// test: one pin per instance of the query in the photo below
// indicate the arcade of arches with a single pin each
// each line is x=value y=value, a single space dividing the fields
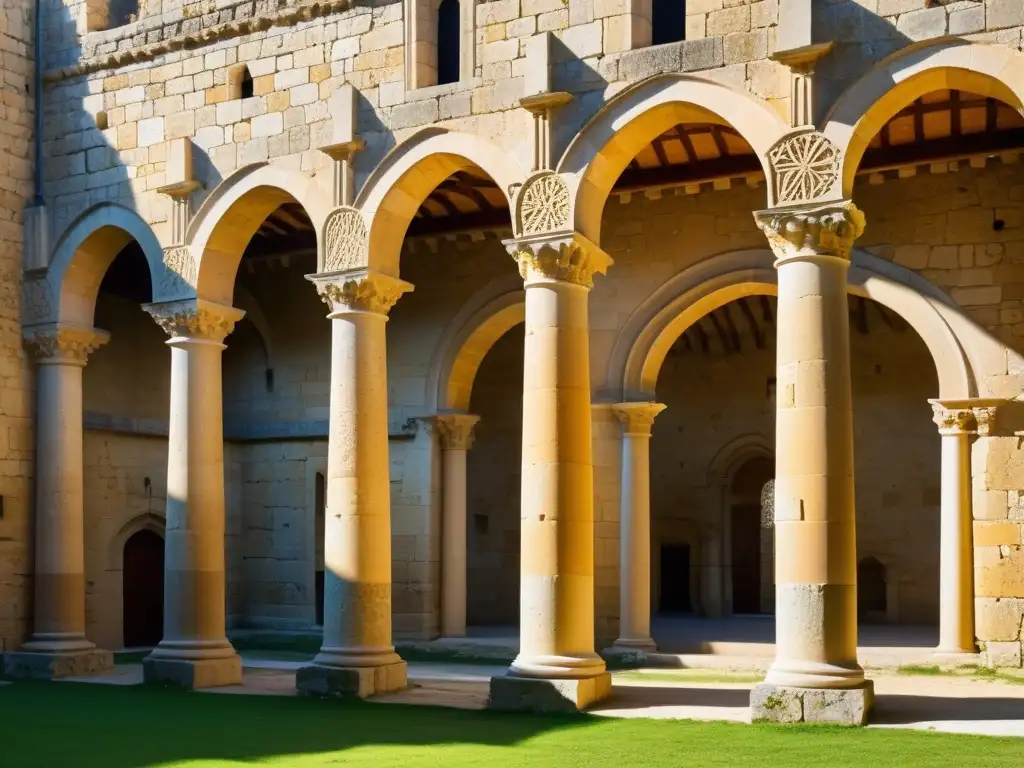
x=684 y=419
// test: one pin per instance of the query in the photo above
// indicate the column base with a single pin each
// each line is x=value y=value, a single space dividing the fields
x=512 y=693
x=193 y=674
x=351 y=682
x=633 y=645
x=787 y=704
x=43 y=665
x=956 y=656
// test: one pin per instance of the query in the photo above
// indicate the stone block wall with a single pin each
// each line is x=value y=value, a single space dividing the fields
x=16 y=438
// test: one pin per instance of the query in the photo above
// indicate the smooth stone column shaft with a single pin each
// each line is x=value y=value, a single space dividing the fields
x=58 y=646
x=357 y=547
x=956 y=577
x=557 y=566
x=456 y=439
x=195 y=651
x=635 y=526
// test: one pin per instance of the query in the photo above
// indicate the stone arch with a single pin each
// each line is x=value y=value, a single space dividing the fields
x=599 y=154
x=147 y=521
x=862 y=109
x=735 y=454
x=228 y=218
x=410 y=172
x=68 y=291
x=650 y=332
x=461 y=350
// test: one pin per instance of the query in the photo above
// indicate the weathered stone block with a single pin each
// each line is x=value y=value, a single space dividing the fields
x=528 y=694
x=923 y=24
x=1004 y=13
x=193 y=675
x=636 y=65
x=53 y=666
x=1003 y=654
x=784 y=704
x=998 y=620
x=346 y=682
x=701 y=54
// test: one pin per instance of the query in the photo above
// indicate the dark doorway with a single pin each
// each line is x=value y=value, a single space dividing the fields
x=143 y=577
x=746 y=558
x=675 y=579
x=318 y=533
x=871 y=597
x=449 y=32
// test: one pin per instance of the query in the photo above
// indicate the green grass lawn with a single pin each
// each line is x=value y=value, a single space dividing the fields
x=66 y=725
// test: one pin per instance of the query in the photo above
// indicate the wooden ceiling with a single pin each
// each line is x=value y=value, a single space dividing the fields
x=749 y=323
x=943 y=126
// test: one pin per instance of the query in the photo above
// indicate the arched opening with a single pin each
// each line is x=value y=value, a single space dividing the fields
x=871 y=591
x=718 y=383
x=493 y=486
x=143 y=585
x=751 y=545
x=668 y=21
x=449 y=33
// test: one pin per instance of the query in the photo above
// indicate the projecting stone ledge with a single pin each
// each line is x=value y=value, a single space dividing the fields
x=530 y=694
x=783 y=704
x=345 y=682
x=52 y=666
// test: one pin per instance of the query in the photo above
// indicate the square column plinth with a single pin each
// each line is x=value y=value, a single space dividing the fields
x=193 y=674
x=350 y=682
x=53 y=666
x=836 y=706
x=513 y=693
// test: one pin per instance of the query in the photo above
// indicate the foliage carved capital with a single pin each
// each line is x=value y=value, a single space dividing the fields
x=360 y=290
x=828 y=229
x=456 y=430
x=194 y=319
x=62 y=343
x=567 y=257
x=637 y=418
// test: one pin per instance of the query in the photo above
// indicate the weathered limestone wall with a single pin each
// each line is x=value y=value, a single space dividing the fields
x=16 y=451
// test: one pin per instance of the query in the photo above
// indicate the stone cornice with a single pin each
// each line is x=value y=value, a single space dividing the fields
x=198 y=38
x=194 y=319
x=62 y=343
x=637 y=418
x=456 y=430
x=558 y=257
x=826 y=229
x=359 y=290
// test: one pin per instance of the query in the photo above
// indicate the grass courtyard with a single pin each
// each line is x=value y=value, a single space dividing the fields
x=69 y=725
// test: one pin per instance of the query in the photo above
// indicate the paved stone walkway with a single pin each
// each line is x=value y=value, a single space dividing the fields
x=941 y=703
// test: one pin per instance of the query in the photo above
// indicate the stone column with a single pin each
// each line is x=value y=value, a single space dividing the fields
x=195 y=651
x=456 y=431
x=58 y=646
x=635 y=526
x=557 y=667
x=357 y=657
x=815 y=675
x=956 y=570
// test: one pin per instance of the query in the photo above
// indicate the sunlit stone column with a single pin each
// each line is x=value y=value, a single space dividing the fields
x=195 y=651
x=357 y=657
x=557 y=667
x=956 y=576
x=58 y=647
x=456 y=432
x=635 y=526
x=815 y=675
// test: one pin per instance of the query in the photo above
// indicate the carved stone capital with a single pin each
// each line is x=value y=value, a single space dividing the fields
x=195 y=319
x=359 y=290
x=456 y=430
x=828 y=229
x=952 y=421
x=566 y=257
x=62 y=343
x=637 y=418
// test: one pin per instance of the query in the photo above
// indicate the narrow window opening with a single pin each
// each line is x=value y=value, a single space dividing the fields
x=448 y=34
x=240 y=83
x=246 y=88
x=668 y=21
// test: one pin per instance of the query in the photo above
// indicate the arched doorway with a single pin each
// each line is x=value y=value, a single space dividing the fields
x=143 y=576
x=752 y=545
